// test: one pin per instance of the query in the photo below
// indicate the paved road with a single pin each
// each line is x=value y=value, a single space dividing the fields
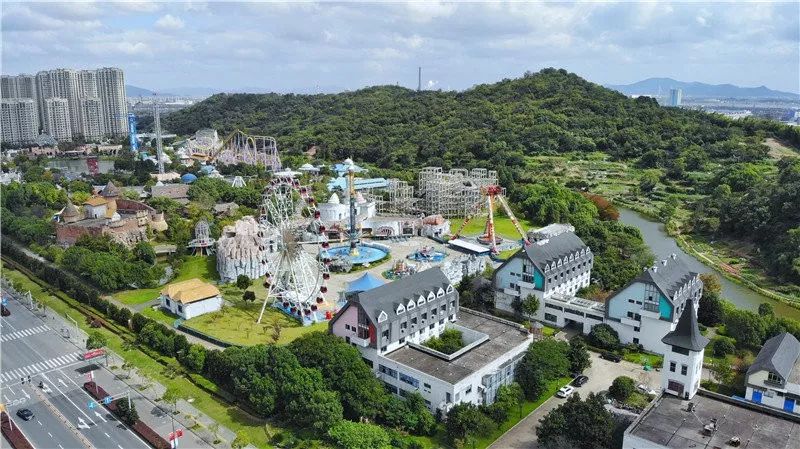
x=30 y=347
x=601 y=374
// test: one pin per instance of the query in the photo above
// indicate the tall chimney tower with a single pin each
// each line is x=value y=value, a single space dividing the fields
x=419 y=79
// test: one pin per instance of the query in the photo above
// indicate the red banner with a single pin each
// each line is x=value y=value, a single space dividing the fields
x=93 y=353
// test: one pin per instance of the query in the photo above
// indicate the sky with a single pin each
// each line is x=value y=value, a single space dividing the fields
x=309 y=47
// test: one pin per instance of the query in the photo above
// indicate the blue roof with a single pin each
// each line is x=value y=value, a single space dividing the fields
x=342 y=168
x=360 y=183
x=207 y=169
x=188 y=178
x=366 y=282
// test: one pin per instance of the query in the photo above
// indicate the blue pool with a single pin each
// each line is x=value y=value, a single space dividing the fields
x=427 y=256
x=366 y=253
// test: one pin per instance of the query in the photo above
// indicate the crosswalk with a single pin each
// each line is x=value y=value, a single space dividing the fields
x=23 y=333
x=36 y=368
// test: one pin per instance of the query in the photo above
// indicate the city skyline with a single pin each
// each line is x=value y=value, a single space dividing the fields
x=305 y=47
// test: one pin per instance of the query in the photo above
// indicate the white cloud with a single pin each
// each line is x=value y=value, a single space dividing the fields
x=169 y=22
x=136 y=6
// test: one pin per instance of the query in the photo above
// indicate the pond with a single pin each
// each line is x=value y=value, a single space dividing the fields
x=663 y=245
x=80 y=165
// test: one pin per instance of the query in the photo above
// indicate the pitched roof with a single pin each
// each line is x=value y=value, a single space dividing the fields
x=687 y=333
x=96 y=201
x=367 y=281
x=388 y=296
x=173 y=191
x=190 y=291
x=70 y=210
x=779 y=354
x=668 y=274
x=110 y=190
x=554 y=248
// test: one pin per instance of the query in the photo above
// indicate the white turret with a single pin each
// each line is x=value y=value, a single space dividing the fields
x=683 y=356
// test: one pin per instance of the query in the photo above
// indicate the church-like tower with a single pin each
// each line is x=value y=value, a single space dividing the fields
x=683 y=358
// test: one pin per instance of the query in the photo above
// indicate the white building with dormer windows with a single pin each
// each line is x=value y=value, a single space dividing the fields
x=389 y=324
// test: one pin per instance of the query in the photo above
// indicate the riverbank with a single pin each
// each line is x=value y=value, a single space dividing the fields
x=695 y=247
x=662 y=243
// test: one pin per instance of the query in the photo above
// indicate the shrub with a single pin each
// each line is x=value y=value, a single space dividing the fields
x=353 y=435
x=622 y=388
x=448 y=342
x=722 y=346
x=603 y=336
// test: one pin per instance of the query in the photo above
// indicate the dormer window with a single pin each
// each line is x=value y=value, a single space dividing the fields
x=420 y=300
x=431 y=296
x=400 y=309
x=449 y=289
x=440 y=293
x=382 y=317
x=410 y=305
x=774 y=378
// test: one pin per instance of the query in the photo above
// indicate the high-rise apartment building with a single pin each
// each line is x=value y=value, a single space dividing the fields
x=20 y=86
x=92 y=123
x=95 y=101
x=57 y=121
x=111 y=90
x=675 y=97
x=19 y=120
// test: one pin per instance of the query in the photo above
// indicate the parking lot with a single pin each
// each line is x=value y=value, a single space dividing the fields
x=601 y=374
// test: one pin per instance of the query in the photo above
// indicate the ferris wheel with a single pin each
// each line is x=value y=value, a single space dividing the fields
x=296 y=277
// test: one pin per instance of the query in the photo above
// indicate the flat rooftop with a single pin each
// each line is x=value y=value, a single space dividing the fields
x=670 y=424
x=503 y=337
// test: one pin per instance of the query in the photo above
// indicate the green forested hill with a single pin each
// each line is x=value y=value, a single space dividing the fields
x=550 y=111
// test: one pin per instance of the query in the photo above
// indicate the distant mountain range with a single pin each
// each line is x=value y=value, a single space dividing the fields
x=652 y=86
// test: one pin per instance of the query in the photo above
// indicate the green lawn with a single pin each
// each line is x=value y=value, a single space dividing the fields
x=237 y=324
x=502 y=226
x=159 y=315
x=203 y=267
x=643 y=358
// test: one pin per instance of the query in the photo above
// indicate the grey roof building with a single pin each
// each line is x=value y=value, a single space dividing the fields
x=774 y=377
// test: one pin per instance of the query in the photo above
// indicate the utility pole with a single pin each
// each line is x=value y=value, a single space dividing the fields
x=419 y=79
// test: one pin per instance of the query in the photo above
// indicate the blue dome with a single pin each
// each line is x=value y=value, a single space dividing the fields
x=188 y=178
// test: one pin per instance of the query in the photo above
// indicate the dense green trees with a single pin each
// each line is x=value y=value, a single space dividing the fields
x=344 y=371
x=352 y=435
x=545 y=360
x=578 y=355
x=576 y=423
x=448 y=342
x=109 y=265
x=621 y=388
x=746 y=204
x=603 y=336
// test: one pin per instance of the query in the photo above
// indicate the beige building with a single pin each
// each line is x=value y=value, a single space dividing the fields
x=191 y=298
x=92 y=123
x=111 y=90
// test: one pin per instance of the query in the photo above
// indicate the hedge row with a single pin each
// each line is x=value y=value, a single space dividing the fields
x=142 y=429
x=13 y=434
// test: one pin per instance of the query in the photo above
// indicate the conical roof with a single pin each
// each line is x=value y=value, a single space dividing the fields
x=366 y=282
x=110 y=190
x=69 y=210
x=687 y=333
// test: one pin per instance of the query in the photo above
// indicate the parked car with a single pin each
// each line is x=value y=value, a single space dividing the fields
x=646 y=390
x=25 y=414
x=611 y=357
x=565 y=392
x=580 y=380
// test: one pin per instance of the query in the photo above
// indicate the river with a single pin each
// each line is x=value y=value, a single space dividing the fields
x=663 y=245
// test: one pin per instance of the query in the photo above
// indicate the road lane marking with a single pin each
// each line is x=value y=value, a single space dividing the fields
x=68 y=399
x=51 y=435
x=107 y=435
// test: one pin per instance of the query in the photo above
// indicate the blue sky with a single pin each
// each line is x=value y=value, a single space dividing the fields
x=305 y=46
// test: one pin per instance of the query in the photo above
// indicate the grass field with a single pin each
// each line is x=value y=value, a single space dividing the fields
x=502 y=226
x=203 y=267
x=237 y=324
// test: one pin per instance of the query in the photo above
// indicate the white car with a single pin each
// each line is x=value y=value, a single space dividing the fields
x=565 y=392
x=646 y=390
